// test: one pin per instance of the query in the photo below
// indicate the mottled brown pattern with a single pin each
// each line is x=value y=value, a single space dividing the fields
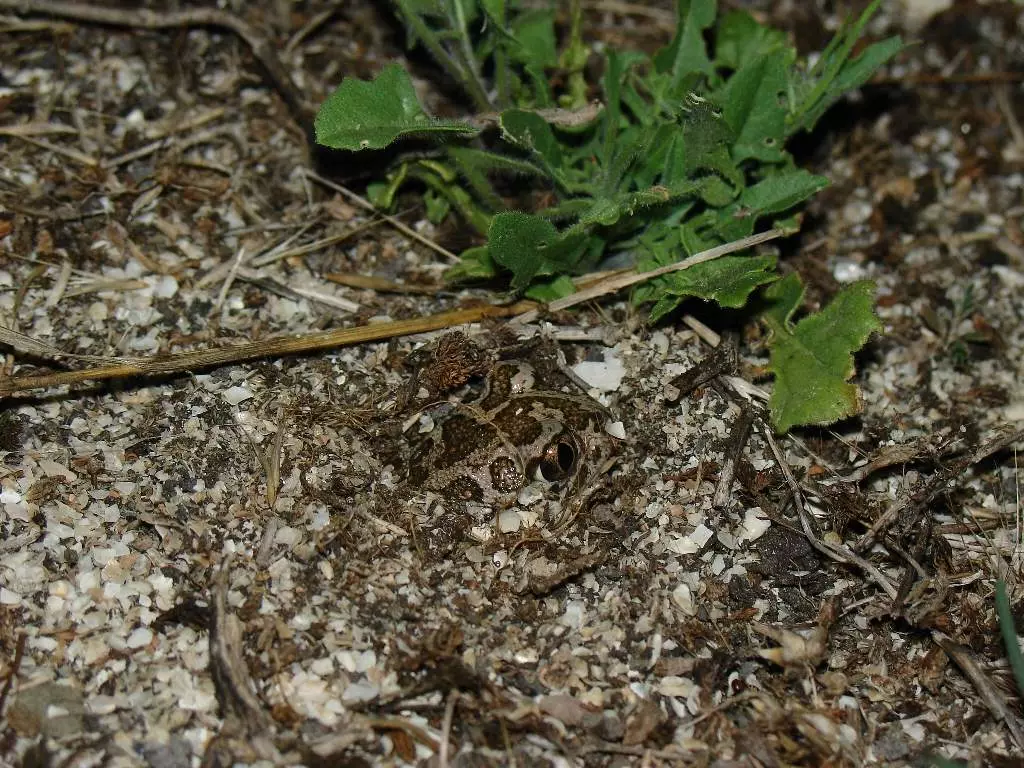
x=486 y=451
x=461 y=436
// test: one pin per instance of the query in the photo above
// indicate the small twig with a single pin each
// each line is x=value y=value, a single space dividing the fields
x=367 y=205
x=269 y=284
x=71 y=154
x=381 y=284
x=272 y=460
x=229 y=278
x=19 y=654
x=244 y=715
x=308 y=28
x=738 y=436
x=60 y=285
x=446 y=727
x=261 y=47
x=207 y=358
x=941 y=482
x=36 y=129
x=723 y=359
x=1006 y=107
x=838 y=553
x=301 y=250
x=989 y=692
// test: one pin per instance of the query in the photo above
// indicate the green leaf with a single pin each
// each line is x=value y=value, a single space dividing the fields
x=784 y=298
x=382 y=195
x=534 y=34
x=607 y=211
x=729 y=281
x=531 y=132
x=687 y=53
x=439 y=177
x=551 y=289
x=853 y=75
x=474 y=264
x=780 y=192
x=814 y=362
x=706 y=141
x=529 y=246
x=741 y=40
x=372 y=115
x=437 y=207
x=833 y=74
x=755 y=108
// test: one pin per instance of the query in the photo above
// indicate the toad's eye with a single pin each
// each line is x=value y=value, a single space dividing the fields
x=559 y=460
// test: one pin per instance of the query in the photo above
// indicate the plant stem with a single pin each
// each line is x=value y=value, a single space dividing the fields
x=441 y=56
x=501 y=79
x=474 y=81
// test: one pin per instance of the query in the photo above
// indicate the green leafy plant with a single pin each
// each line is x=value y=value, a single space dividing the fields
x=686 y=152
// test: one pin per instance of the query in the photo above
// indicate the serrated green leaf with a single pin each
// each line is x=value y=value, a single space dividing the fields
x=755 y=108
x=529 y=246
x=740 y=40
x=372 y=115
x=814 y=363
x=729 y=281
x=549 y=290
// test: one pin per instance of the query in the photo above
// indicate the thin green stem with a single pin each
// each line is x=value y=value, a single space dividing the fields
x=474 y=83
x=1009 y=633
x=501 y=73
x=433 y=45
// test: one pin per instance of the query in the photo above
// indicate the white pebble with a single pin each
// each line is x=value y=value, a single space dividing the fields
x=857 y=211
x=97 y=311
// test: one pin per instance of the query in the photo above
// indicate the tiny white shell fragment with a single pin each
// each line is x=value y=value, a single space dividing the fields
x=509 y=521
x=605 y=376
x=616 y=429
x=754 y=526
x=683 y=597
x=140 y=638
x=236 y=395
